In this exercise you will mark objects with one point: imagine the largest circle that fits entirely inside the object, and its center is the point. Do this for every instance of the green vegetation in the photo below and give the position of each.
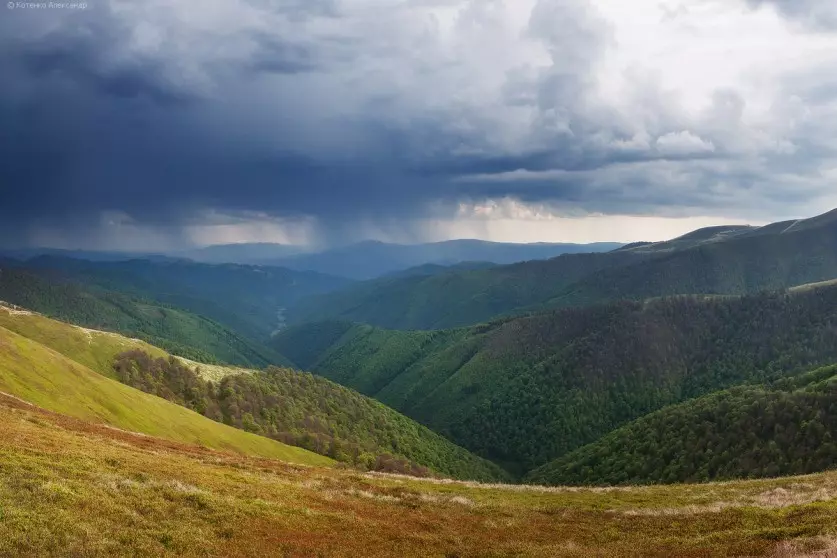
(454, 298)
(306, 343)
(717, 260)
(177, 331)
(310, 412)
(525, 391)
(285, 405)
(746, 263)
(49, 379)
(248, 299)
(71, 488)
(759, 431)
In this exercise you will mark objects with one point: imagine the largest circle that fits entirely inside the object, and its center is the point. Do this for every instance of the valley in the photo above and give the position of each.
(689, 381)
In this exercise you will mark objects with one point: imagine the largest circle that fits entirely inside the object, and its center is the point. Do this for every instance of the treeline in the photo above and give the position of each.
(173, 329)
(525, 391)
(302, 410)
(744, 432)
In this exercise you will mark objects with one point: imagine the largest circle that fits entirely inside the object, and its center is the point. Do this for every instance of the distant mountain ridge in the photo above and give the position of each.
(715, 260)
(248, 299)
(370, 259)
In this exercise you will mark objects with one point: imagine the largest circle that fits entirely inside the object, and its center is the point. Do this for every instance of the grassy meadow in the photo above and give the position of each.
(40, 375)
(73, 488)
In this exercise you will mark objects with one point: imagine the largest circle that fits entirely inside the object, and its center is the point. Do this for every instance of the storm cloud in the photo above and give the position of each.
(157, 117)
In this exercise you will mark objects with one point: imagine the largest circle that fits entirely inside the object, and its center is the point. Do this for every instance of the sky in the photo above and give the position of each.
(153, 125)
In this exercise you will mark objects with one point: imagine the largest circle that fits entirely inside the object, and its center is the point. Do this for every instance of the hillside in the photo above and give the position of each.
(792, 254)
(309, 412)
(247, 299)
(454, 298)
(528, 390)
(71, 488)
(717, 260)
(285, 405)
(176, 330)
(371, 259)
(759, 431)
(47, 378)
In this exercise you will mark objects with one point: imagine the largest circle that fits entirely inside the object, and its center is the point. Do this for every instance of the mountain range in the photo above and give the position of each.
(371, 259)
(717, 260)
(709, 357)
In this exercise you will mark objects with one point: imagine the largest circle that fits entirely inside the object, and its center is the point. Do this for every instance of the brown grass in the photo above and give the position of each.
(72, 488)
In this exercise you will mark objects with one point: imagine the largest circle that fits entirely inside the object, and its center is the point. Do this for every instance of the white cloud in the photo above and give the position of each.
(683, 143)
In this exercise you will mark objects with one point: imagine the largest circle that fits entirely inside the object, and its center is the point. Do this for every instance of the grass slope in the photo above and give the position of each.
(288, 406)
(755, 431)
(525, 391)
(177, 331)
(75, 489)
(49, 379)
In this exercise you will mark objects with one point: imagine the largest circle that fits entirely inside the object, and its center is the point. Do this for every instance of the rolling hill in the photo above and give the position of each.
(718, 260)
(45, 377)
(525, 391)
(783, 428)
(454, 298)
(247, 299)
(176, 330)
(371, 259)
(281, 404)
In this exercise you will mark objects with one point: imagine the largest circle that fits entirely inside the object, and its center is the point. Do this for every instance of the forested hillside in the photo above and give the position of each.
(454, 298)
(792, 254)
(175, 330)
(310, 412)
(43, 376)
(717, 260)
(248, 299)
(785, 428)
(528, 390)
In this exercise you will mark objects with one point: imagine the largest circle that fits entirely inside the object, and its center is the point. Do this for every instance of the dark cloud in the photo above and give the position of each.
(320, 108)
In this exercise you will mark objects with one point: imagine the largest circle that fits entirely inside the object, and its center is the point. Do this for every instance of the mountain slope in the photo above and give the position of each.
(285, 405)
(72, 488)
(42, 376)
(791, 254)
(368, 260)
(454, 298)
(757, 431)
(247, 299)
(178, 331)
(310, 412)
(716, 260)
(528, 390)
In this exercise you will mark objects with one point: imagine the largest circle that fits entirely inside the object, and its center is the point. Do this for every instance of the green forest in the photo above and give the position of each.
(785, 428)
(177, 331)
(245, 298)
(525, 391)
(300, 409)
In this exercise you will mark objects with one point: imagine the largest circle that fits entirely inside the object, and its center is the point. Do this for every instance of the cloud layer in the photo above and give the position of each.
(129, 119)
